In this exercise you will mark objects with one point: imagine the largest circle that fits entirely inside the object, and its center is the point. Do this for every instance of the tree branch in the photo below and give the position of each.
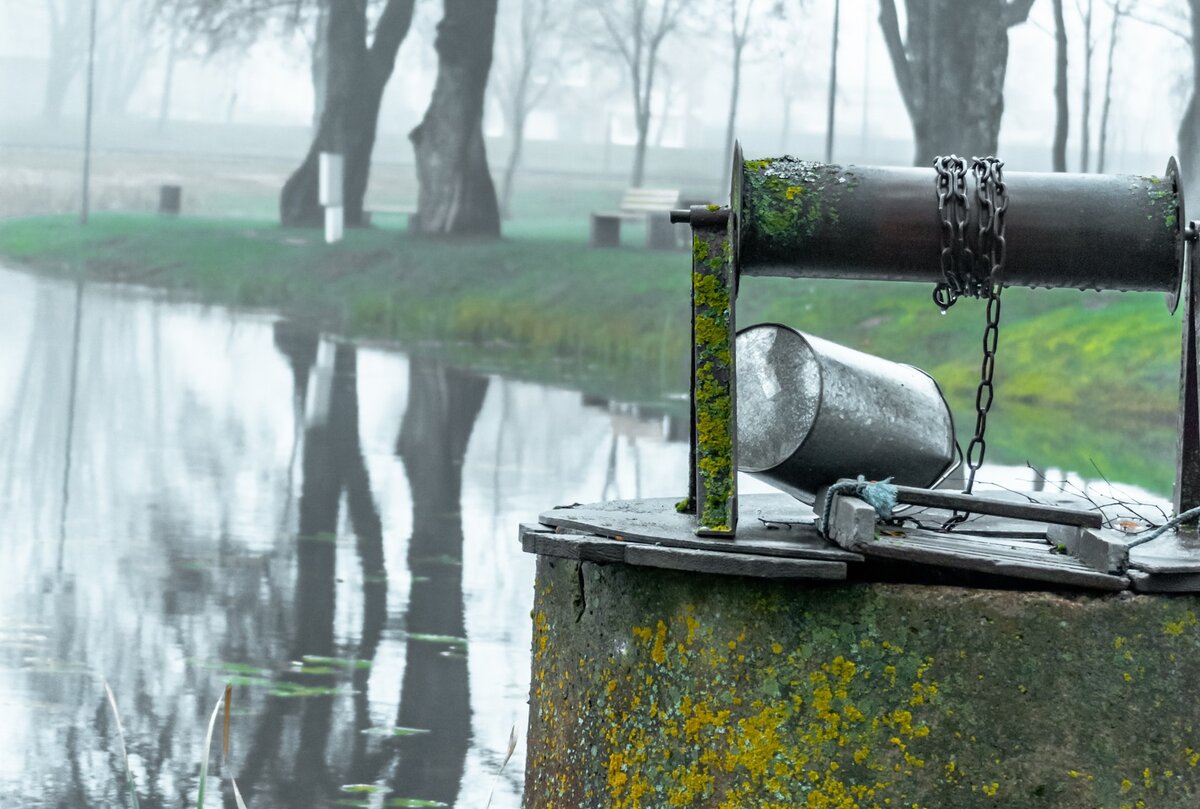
(1016, 12)
(895, 45)
(390, 32)
(1184, 36)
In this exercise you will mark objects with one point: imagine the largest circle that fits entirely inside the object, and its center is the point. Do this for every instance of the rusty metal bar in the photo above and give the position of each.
(1187, 469)
(714, 406)
(973, 504)
(1086, 231)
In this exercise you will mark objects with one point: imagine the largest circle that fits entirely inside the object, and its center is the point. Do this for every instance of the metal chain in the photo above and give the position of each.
(952, 208)
(987, 278)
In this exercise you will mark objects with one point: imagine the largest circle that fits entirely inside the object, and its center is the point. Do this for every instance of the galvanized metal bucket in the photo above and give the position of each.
(810, 412)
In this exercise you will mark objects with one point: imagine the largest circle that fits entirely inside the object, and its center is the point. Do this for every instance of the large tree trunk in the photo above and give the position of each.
(1189, 126)
(951, 71)
(320, 61)
(1061, 110)
(355, 79)
(443, 405)
(455, 194)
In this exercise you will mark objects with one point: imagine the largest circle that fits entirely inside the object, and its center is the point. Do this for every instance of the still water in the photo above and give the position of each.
(190, 497)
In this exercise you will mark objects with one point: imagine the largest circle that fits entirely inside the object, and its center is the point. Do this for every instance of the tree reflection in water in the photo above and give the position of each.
(443, 405)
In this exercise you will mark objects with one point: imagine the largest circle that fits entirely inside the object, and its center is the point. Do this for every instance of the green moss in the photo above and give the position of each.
(690, 690)
(788, 202)
(714, 360)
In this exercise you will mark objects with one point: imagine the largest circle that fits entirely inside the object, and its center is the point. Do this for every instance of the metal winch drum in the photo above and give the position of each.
(810, 411)
(802, 413)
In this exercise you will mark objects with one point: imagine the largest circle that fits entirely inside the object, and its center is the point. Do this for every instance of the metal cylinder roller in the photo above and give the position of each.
(1086, 231)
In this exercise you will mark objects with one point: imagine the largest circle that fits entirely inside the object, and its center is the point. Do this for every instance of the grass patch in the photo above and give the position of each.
(1080, 376)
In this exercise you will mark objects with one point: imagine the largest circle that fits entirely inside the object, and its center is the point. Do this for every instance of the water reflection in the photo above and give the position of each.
(191, 497)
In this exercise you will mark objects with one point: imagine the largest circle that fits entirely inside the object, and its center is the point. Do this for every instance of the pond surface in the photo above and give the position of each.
(190, 497)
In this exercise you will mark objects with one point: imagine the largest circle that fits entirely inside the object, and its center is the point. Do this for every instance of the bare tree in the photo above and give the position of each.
(1085, 114)
(357, 74)
(635, 30)
(950, 70)
(833, 60)
(68, 45)
(740, 12)
(1117, 14)
(1189, 125)
(131, 42)
(455, 194)
(1061, 109)
(527, 63)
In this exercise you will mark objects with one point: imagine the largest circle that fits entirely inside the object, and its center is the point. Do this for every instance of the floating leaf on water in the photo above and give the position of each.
(394, 731)
(231, 668)
(449, 640)
(253, 682)
(442, 559)
(323, 536)
(369, 789)
(315, 670)
(413, 803)
(342, 662)
(283, 688)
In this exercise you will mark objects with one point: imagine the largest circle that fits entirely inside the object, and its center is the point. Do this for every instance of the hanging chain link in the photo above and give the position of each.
(952, 208)
(988, 279)
(977, 272)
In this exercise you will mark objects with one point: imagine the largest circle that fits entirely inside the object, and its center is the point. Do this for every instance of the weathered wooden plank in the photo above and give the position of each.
(1034, 512)
(733, 564)
(656, 521)
(1144, 582)
(571, 546)
(1173, 552)
(598, 549)
(964, 552)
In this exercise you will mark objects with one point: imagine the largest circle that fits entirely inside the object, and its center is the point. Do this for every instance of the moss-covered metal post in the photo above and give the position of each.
(713, 487)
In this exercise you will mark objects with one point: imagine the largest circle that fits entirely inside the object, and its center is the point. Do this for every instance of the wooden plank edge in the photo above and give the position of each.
(1144, 582)
(777, 548)
(1001, 567)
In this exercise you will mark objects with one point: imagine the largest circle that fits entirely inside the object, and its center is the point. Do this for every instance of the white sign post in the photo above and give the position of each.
(331, 180)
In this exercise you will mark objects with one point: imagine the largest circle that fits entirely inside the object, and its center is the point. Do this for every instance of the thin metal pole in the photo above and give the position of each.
(837, 8)
(87, 118)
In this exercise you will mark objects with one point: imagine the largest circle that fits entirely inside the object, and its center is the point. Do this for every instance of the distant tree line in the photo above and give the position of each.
(949, 61)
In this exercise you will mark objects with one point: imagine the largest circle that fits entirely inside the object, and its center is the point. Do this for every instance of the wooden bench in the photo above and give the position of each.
(651, 204)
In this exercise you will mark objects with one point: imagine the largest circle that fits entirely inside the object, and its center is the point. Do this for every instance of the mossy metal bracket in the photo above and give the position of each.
(712, 489)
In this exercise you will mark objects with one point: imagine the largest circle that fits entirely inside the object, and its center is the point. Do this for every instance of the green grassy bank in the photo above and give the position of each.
(1081, 377)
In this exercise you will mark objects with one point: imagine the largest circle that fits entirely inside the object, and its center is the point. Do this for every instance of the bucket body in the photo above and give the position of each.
(810, 412)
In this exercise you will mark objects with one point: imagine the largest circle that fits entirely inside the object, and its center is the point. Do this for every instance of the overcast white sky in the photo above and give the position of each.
(1150, 81)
